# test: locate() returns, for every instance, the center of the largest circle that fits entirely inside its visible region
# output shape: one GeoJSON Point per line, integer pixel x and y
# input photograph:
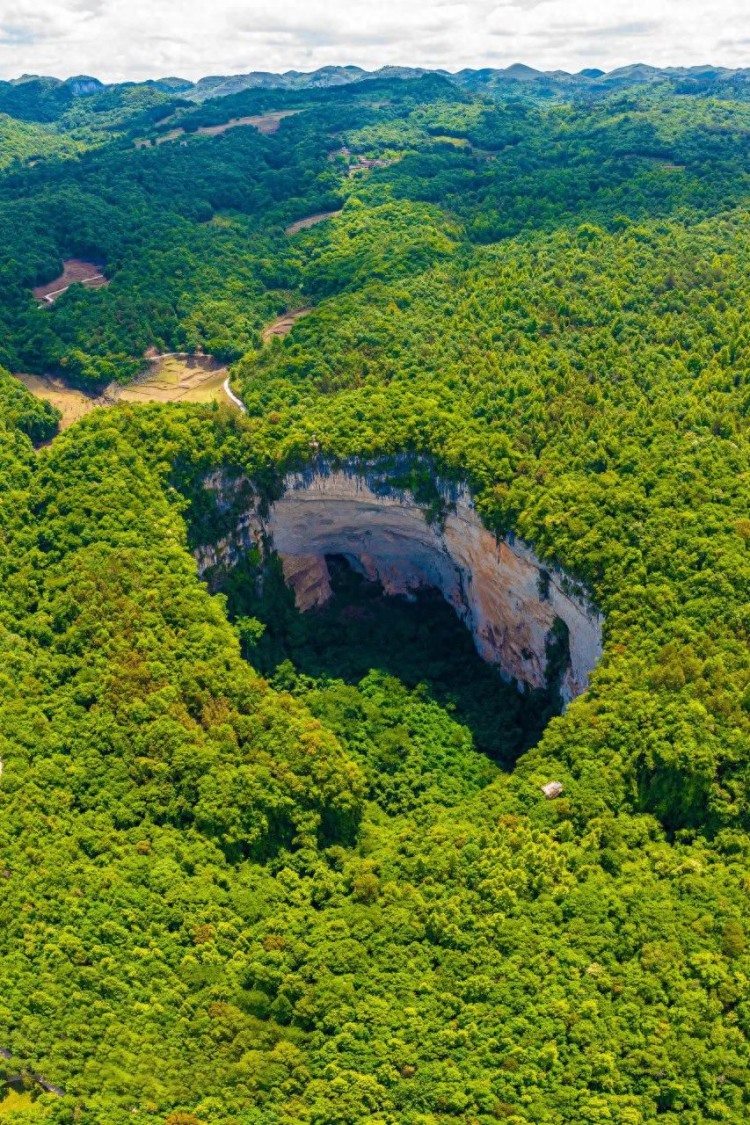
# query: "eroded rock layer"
{"type": "Point", "coordinates": [507, 598]}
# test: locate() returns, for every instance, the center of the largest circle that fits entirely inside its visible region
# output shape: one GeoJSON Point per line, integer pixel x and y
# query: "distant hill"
{"type": "Point", "coordinates": [44, 99]}
{"type": "Point", "coordinates": [36, 98]}
{"type": "Point", "coordinates": [219, 85]}
{"type": "Point", "coordinates": [518, 78]}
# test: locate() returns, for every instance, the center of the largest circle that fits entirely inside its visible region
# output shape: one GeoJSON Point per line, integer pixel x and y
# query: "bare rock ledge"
{"type": "Point", "coordinates": [507, 597]}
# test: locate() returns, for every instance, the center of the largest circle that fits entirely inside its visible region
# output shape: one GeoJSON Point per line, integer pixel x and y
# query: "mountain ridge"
{"type": "Point", "coordinates": [217, 85]}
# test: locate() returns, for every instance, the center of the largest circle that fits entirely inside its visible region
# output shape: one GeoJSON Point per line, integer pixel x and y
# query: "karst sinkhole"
{"type": "Point", "coordinates": [352, 567]}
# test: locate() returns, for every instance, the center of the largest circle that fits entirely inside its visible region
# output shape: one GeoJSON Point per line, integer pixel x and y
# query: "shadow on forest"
{"type": "Point", "coordinates": [419, 641]}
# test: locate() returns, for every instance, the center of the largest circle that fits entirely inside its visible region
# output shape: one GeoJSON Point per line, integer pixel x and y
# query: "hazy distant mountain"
{"type": "Point", "coordinates": [515, 78]}
{"type": "Point", "coordinates": [39, 98]}
{"type": "Point", "coordinates": [218, 85]}
{"type": "Point", "coordinates": [171, 85]}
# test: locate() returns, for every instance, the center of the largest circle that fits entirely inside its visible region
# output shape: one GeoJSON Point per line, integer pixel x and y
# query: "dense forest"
{"type": "Point", "coordinates": [260, 867]}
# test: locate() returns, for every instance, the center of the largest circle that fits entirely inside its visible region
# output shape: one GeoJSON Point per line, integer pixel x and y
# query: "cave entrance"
{"type": "Point", "coordinates": [417, 638]}
{"type": "Point", "coordinates": [385, 565]}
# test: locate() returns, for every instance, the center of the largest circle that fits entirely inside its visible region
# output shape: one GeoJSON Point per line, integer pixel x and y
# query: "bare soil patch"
{"type": "Point", "coordinates": [72, 403]}
{"type": "Point", "coordinates": [171, 378]}
{"type": "Point", "coordinates": [310, 221]}
{"type": "Point", "coordinates": [172, 135]}
{"type": "Point", "coordinates": [364, 164]}
{"type": "Point", "coordinates": [266, 123]}
{"type": "Point", "coordinates": [75, 271]}
{"type": "Point", "coordinates": [147, 142]}
{"type": "Point", "coordinates": [178, 378]}
{"type": "Point", "coordinates": [283, 325]}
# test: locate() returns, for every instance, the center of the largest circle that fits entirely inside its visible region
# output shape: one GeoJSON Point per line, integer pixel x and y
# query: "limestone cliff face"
{"type": "Point", "coordinates": [504, 594]}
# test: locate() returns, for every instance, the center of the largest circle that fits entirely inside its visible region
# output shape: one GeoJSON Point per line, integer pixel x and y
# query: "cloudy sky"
{"type": "Point", "coordinates": [133, 39]}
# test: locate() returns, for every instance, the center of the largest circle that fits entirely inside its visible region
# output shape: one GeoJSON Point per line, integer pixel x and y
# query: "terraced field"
{"type": "Point", "coordinates": [178, 378]}
{"type": "Point", "coordinates": [172, 378]}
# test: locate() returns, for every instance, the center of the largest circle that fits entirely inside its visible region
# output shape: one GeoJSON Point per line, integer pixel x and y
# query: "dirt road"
{"type": "Point", "coordinates": [75, 271]}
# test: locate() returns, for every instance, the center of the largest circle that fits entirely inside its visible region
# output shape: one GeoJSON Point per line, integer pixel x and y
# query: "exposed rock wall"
{"type": "Point", "coordinates": [503, 593]}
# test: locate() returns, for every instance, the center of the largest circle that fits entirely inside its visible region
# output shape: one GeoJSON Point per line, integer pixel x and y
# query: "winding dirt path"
{"type": "Point", "coordinates": [232, 396]}
{"type": "Point", "coordinates": [283, 324]}
{"type": "Point", "coordinates": [310, 221]}
{"type": "Point", "coordinates": [76, 271]}
{"type": "Point", "coordinates": [173, 377]}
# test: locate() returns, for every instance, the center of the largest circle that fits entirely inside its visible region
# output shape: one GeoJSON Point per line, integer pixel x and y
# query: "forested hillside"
{"type": "Point", "coordinates": [260, 867]}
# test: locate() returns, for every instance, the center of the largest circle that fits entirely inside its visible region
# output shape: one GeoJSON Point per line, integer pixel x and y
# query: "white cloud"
{"type": "Point", "coordinates": [132, 39]}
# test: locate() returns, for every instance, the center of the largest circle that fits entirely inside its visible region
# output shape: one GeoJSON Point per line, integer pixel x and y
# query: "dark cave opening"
{"type": "Point", "coordinates": [417, 639]}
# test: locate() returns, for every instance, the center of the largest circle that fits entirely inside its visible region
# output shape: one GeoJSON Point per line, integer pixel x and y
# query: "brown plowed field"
{"type": "Point", "coordinates": [75, 270]}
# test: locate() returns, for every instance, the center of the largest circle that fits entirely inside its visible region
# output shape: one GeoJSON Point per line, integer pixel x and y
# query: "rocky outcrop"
{"type": "Point", "coordinates": [508, 598]}
{"type": "Point", "coordinates": [308, 576]}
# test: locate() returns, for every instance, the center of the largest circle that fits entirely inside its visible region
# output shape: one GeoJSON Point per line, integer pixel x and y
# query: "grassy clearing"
{"type": "Point", "coordinates": [72, 403]}
{"type": "Point", "coordinates": [15, 1102]}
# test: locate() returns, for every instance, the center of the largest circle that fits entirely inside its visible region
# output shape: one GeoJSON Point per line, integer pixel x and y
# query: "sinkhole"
{"type": "Point", "coordinates": [386, 565]}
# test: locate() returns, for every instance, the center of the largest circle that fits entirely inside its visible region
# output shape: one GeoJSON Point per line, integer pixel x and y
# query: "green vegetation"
{"type": "Point", "coordinates": [421, 644]}
{"type": "Point", "coordinates": [256, 872]}
{"type": "Point", "coordinates": [589, 385]}
{"type": "Point", "coordinates": [34, 418]}
{"type": "Point", "coordinates": [21, 142]}
{"type": "Point", "coordinates": [14, 1102]}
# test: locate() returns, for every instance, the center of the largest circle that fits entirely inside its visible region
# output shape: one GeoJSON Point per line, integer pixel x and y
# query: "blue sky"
{"type": "Point", "coordinates": [132, 39]}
